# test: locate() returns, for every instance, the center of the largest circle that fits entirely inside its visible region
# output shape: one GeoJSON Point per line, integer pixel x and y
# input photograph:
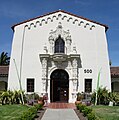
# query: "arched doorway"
{"type": "Point", "coordinates": [59, 86]}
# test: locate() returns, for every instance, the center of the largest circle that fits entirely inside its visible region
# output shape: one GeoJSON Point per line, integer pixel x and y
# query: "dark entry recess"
{"type": "Point", "coordinates": [59, 86]}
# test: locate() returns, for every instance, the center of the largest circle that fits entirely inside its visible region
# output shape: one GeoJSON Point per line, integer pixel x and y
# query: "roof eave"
{"type": "Point", "coordinates": [106, 27]}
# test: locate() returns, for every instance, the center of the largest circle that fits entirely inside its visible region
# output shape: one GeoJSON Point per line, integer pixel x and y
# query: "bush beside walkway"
{"type": "Point", "coordinates": [87, 111]}
{"type": "Point", "coordinates": [19, 112]}
{"type": "Point", "coordinates": [99, 112]}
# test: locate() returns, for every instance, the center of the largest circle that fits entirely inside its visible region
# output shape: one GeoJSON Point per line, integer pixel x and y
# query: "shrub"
{"type": "Point", "coordinates": [77, 106]}
{"type": "Point", "coordinates": [114, 97]}
{"type": "Point", "coordinates": [91, 116]}
{"type": "Point", "coordinates": [30, 114]}
{"type": "Point", "coordinates": [4, 97]}
{"type": "Point", "coordinates": [33, 111]}
{"type": "Point", "coordinates": [81, 107]}
{"type": "Point", "coordinates": [11, 97]}
{"type": "Point", "coordinates": [39, 106]}
{"type": "Point", "coordinates": [102, 96]}
{"type": "Point", "coordinates": [86, 111]}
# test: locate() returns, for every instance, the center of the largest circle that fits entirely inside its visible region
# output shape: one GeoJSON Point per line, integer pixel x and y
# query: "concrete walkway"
{"type": "Point", "coordinates": [60, 114]}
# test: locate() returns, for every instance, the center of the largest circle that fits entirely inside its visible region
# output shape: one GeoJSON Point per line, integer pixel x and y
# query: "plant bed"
{"type": "Point", "coordinates": [80, 115]}
{"type": "Point", "coordinates": [86, 111]}
{"type": "Point", "coordinates": [40, 114]}
{"type": "Point", "coordinates": [32, 112]}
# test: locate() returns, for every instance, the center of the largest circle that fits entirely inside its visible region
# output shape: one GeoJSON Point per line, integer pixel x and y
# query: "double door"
{"type": "Point", "coordinates": [59, 91]}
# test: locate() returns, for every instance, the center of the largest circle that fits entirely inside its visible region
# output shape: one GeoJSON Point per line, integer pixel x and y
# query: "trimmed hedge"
{"type": "Point", "coordinates": [81, 107]}
{"type": "Point", "coordinates": [88, 112]}
{"type": "Point", "coordinates": [91, 116]}
{"type": "Point", "coordinates": [39, 106]}
{"type": "Point", "coordinates": [31, 113]}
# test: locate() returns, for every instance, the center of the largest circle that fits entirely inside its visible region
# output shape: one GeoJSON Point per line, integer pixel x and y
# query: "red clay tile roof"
{"type": "Point", "coordinates": [106, 27]}
{"type": "Point", "coordinates": [114, 71]}
{"type": "Point", "coordinates": [4, 70]}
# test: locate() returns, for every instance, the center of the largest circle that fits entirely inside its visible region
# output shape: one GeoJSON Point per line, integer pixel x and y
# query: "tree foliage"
{"type": "Point", "coordinates": [4, 59]}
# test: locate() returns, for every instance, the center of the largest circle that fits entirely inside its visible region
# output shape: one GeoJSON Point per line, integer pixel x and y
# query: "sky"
{"type": "Point", "coordinates": [102, 11]}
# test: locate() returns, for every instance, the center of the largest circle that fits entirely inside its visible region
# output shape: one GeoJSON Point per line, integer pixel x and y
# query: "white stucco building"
{"type": "Point", "coordinates": [59, 54]}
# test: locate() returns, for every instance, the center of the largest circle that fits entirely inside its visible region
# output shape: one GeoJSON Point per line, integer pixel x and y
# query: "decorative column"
{"type": "Point", "coordinates": [75, 77]}
{"type": "Point", "coordinates": [75, 74]}
{"type": "Point", "coordinates": [51, 41]}
{"type": "Point", "coordinates": [74, 68]}
{"type": "Point", "coordinates": [68, 42]}
{"type": "Point", "coordinates": [44, 74]}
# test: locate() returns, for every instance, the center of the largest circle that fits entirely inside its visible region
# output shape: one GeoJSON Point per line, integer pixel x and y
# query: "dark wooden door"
{"type": "Point", "coordinates": [60, 91]}
{"type": "Point", "coordinates": [64, 94]}
{"type": "Point", "coordinates": [59, 86]}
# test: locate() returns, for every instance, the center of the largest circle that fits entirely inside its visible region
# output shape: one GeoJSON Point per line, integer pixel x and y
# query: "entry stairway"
{"type": "Point", "coordinates": [61, 106]}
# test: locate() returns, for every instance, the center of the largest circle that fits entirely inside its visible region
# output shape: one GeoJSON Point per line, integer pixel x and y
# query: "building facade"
{"type": "Point", "coordinates": [115, 79]}
{"type": "Point", "coordinates": [3, 77]}
{"type": "Point", "coordinates": [59, 54]}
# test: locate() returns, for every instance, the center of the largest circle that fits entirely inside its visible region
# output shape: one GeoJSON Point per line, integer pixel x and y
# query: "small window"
{"type": "Point", "coordinates": [59, 45]}
{"type": "Point", "coordinates": [88, 85]}
{"type": "Point", "coordinates": [30, 85]}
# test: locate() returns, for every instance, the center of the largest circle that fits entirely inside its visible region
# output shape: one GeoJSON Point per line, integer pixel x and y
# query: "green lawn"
{"type": "Point", "coordinates": [107, 112]}
{"type": "Point", "coordinates": [11, 112]}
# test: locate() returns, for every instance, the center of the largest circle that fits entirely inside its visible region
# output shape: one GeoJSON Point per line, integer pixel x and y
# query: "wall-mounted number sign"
{"type": "Point", "coordinates": [87, 71]}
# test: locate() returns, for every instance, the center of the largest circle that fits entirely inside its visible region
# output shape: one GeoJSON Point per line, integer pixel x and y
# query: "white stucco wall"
{"type": "Point", "coordinates": [89, 39]}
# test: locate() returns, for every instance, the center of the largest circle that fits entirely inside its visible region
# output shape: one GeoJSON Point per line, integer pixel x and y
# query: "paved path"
{"type": "Point", "coordinates": [60, 114]}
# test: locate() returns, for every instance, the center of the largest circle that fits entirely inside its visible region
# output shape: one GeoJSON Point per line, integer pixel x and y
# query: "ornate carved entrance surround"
{"type": "Point", "coordinates": [67, 60]}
